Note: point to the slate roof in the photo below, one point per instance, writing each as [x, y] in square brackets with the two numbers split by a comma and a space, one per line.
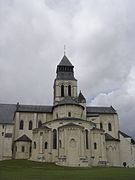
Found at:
[100, 110]
[34, 108]
[133, 141]
[81, 98]
[68, 101]
[42, 127]
[108, 137]
[71, 124]
[124, 134]
[69, 118]
[65, 62]
[7, 112]
[127, 136]
[24, 138]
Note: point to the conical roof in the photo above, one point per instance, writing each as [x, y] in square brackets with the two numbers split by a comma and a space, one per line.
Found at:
[81, 98]
[65, 62]
[67, 100]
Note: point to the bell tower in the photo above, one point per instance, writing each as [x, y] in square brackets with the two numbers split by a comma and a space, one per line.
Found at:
[65, 83]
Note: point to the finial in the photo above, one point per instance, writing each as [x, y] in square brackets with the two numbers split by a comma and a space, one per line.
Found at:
[64, 49]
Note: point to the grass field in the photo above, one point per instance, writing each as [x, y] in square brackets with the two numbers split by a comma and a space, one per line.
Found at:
[27, 170]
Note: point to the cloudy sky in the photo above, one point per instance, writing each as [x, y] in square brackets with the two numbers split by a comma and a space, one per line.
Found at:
[100, 42]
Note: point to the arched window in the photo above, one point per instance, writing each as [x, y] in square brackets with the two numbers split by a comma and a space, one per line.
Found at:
[30, 125]
[54, 139]
[62, 90]
[95, 145]
[109, 127]
[69, 90]
[34, 145]
[39, 124]
[21, 124]
[46, 145]
[86, 136]
[101, 126]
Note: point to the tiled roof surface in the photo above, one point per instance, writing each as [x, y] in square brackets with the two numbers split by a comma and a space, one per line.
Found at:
[68, 100]
[108, 137]
[65, 62]
[72, 125]
[7, 112]
[100, 110]
[124, 134]
[34, 108]
[81, 98]
[24, 138]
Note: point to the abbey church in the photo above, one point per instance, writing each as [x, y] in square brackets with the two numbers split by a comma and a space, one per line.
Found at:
[68, 133]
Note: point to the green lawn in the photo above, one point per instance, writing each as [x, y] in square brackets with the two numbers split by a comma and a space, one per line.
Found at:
[23, 169]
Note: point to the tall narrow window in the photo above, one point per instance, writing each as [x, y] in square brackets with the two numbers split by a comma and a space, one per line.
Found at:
[23, 148]
[30, 125]
[109, 127]
[54, 139]
[95, 145]
[34, 145]
[101, 126]
[86, 136]
[46, 145]
[39, 124]
[69, 90]
[62, 90]
[21, 124]
[69, 114]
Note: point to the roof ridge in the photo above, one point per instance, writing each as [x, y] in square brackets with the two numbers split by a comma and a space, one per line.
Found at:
[24, 137]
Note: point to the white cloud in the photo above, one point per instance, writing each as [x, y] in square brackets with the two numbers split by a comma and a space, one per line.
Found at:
[123, 99]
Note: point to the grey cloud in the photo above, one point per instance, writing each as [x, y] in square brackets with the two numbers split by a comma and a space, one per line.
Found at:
[100, 41]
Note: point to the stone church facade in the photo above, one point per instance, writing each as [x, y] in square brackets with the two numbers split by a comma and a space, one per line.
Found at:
[69, 132]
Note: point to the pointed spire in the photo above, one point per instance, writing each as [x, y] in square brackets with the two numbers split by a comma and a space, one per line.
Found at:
[64, 49]
[65, 62]
[81, 98]
[65, 70]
